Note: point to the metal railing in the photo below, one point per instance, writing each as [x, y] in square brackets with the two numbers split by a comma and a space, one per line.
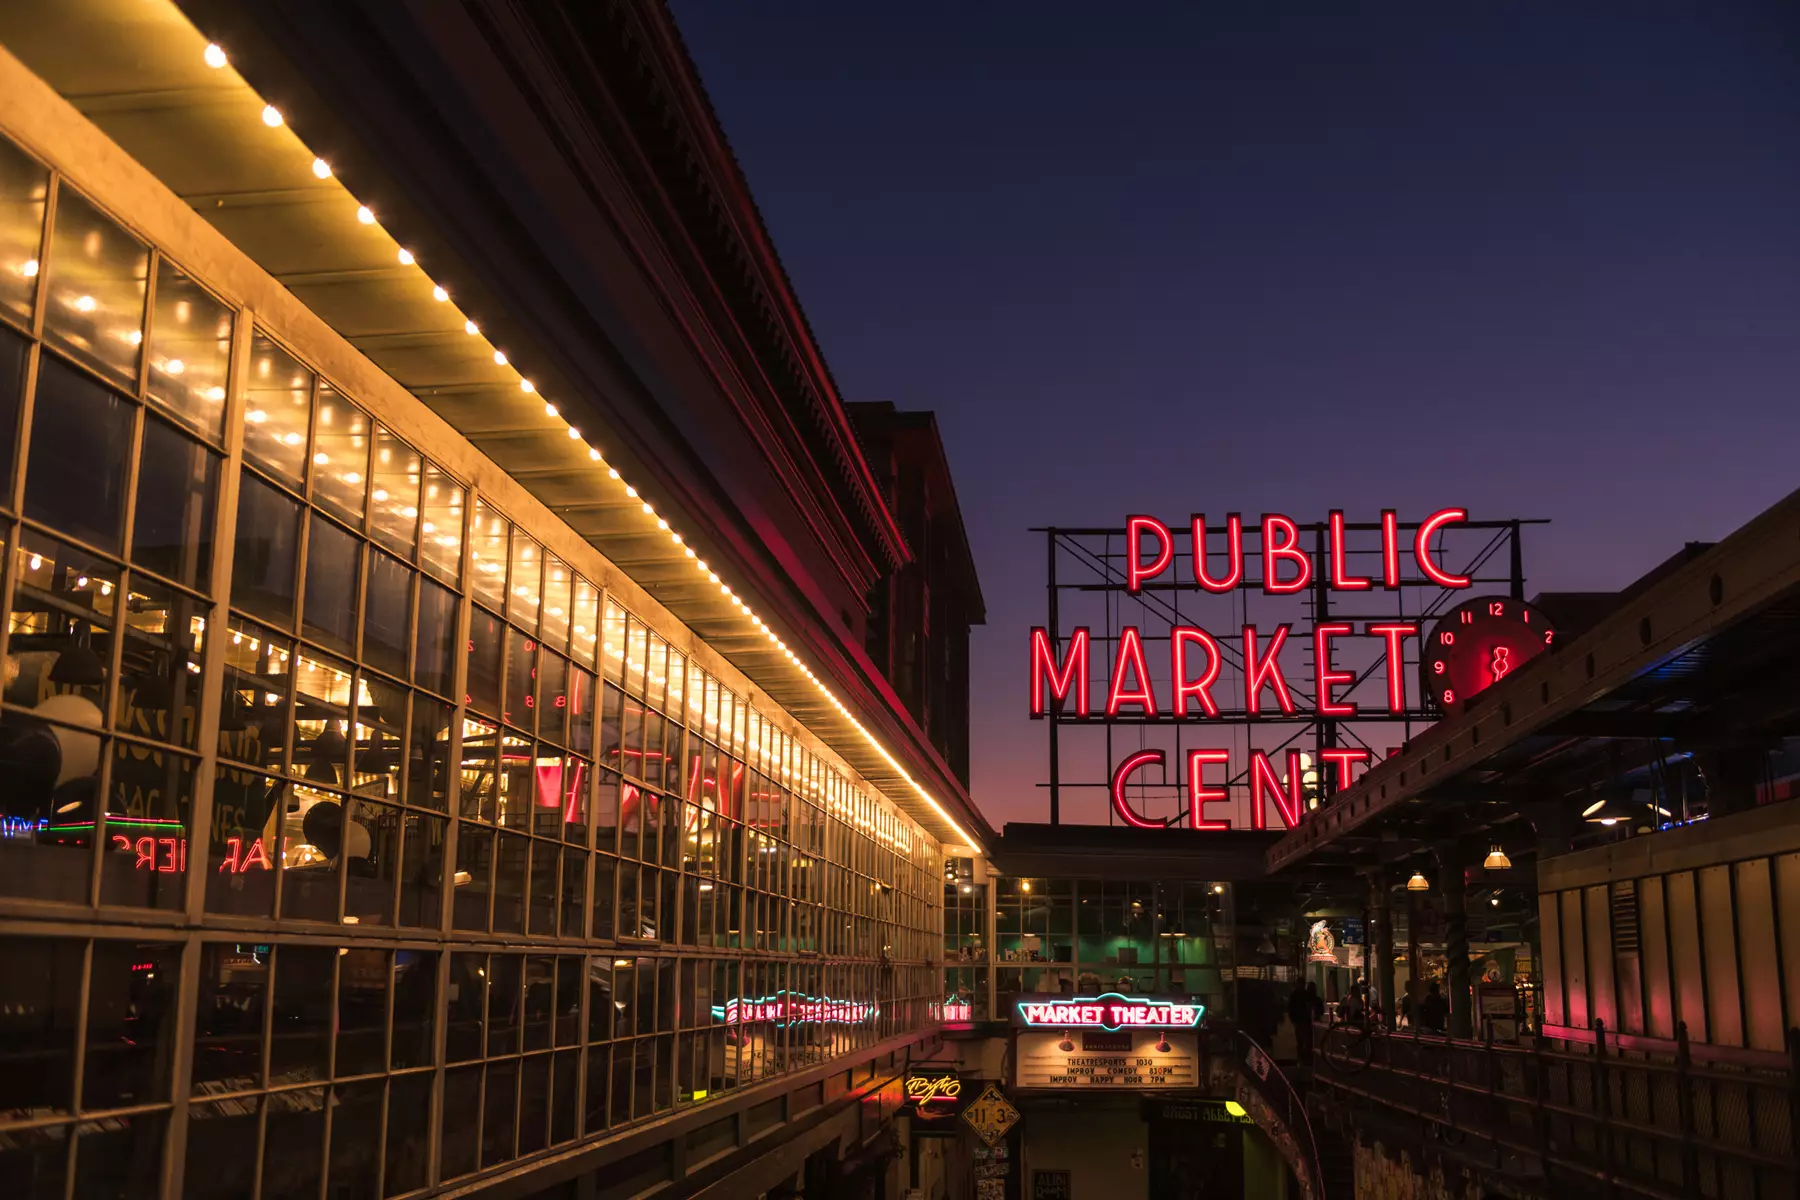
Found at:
[1584, 1110]
[1282, 1112]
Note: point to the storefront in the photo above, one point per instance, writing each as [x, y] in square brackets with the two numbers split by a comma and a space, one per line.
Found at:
[366, 825]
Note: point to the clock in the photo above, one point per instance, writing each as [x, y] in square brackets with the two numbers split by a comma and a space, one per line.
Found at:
[1477, 644]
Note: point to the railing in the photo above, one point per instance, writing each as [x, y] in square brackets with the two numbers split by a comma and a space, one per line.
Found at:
[1283, 1112]
[1584, 1110]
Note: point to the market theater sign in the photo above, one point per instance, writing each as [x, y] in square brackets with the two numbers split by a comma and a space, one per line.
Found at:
[1110, 1011]
[1059, 685]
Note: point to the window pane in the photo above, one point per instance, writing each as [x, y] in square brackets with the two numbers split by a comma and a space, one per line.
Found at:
[277, 405]
[221, 1150]
[253, 717]
[321, 718]
[240, 862]
[408, 1133]
[340, 457]
[558, 602]
[486, 639]
[147, 821]
[12, 387]
[428, 766]
[385, 612]
[585, 622]
[473, 877]
[302, 1023]
[441, 528]
[131, 1011]
[263, 557]
[23, 187]
[293, 1144]
[527, 581]
[505, 981]
[177, 496]
[362, 1012]
[415, 991]
[420, 868]
[355, 1172]
[190, 349]
[379, 734]
[98, 274]
[331, 568]
[487, 556]
[394, 507]
[480, 794]
[371, 882]
[510, 861]
[435, 666]
[80, 446]
[228, 1019]
[115, 1156]
[553, 699]
[521, 680]
[41, 991]
[581, 711]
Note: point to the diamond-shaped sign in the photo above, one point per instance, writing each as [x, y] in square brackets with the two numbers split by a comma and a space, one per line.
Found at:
[991, 1115]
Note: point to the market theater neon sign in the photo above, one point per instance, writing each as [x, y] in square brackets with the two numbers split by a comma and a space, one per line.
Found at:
[1110, 1011]
[1060, 686]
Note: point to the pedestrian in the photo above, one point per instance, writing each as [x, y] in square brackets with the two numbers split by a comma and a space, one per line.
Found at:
[1304, 1007]
[1434, 1009]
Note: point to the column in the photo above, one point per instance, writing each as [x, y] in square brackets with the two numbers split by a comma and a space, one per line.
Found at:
[1380, 946]
[1456, 939]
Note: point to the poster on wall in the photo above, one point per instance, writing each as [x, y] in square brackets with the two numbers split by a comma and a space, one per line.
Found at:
[1051, 1185]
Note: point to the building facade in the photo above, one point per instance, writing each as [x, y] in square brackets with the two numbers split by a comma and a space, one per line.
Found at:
[395, 797]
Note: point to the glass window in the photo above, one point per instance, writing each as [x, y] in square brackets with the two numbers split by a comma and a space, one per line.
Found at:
[442, 527]
[428, 769]
[177, 494]
[63, 605]
[113, 1157]
[253, 718]
[487, 556]
[486, 642]
[277, 411]
[294, 1136]
[558, 602]
[12, 388]
[473, 877]
[263, 556]
[23, 186]
[521, 679]
[190, 351]
[380, 732]
[228, 1018]
[151, 796]
[581, 711]
[131, 1011]
[301, 1037]
[415, 992]
[80, 445]
[585, 622]
[385, 611]
[98, 274]
[553, 698]
[40, 991]
[435, 666]
[355, 1169]
[362, 1003]
[340, 457]
[420, 867]
[221, 1150]
[408, 1133]
[394, 500]
[331, 592]
[527, 581]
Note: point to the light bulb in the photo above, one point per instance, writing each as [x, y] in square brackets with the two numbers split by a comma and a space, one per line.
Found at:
[271, 116]
[499, 358]
[406, 257]
[439, 294]
[321, 168]
[365, 214]
[215, 56]
[471, 328]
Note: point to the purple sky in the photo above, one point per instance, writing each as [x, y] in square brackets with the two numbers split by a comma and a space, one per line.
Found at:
[1535, 259]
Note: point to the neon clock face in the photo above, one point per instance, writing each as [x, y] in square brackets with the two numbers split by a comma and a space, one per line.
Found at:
[1477, 644]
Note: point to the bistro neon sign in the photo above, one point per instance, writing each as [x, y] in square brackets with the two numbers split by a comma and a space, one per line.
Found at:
[1110, 1011]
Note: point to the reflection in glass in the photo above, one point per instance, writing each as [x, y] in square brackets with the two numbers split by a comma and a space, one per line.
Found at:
[394, 494]
[526, 596]
[429, 764]
[147, 819]
[41, 992]
[487, 556]
[486, 640]
[559, 603]
[340, 458]
[12, 390]
[190, 349]
[362, 1003]
[386, 609]
[177, 494]
[584, 639]
[263, 557]
[301, 1033]
[98, 274]
[80, 446]
[379, 735]
[415, 991]
[131, 1010]
[221, 1150]
[435, 665]
[293, 1140]
[329, 612]
[520, 701]
[228, 1017]
[440, 531]
[253, 717]
[23, 187]
[421, 870]
[371, 879]
[473, 876]
[277, 411]
[408, 1133]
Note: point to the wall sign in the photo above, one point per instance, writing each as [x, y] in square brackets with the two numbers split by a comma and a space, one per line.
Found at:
[934, 1092]
[991, 1115]
[1051, 1185]
[1477, 644]
[1108, 1011]
[1155, 1060]
[793, 1008]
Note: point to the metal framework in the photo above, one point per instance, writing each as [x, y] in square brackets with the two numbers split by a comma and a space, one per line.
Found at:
[1086, 587]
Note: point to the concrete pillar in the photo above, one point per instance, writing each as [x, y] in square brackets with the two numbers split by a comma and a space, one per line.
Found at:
[1456, 940]
[1381, 946]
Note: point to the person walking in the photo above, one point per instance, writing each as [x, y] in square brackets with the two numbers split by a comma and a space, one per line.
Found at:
[1434, 1009]
[1304, 1007]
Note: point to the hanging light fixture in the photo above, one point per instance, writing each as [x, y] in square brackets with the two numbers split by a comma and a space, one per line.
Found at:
[1418, 883]
[1610, 811]
[1497, 860]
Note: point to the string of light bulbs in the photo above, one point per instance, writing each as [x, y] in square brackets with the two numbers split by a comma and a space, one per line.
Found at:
[217, 59]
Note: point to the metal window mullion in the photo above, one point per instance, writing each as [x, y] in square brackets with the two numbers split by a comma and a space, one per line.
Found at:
[80, 1063]
[439, 1038]
[329, 1090]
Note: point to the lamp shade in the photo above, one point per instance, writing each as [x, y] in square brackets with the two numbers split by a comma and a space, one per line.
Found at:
[1611, 811]
[1418, 883]
[1497, 860]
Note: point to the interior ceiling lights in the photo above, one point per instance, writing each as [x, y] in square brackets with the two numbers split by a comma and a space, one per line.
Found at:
[217, 59]
[1497, 860]
[1418, 883]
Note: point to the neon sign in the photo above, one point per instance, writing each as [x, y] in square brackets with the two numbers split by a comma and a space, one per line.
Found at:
[1110, 1011]
[933, 1091]
[785, 1008]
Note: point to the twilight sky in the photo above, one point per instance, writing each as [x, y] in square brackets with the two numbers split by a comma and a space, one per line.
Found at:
[1535, 259]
